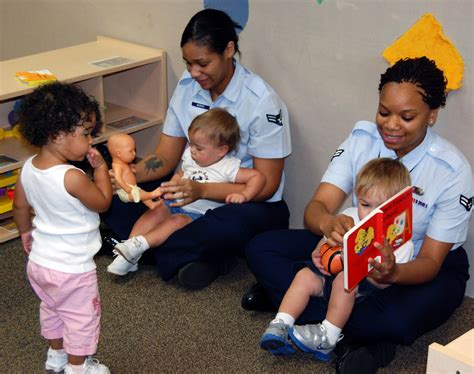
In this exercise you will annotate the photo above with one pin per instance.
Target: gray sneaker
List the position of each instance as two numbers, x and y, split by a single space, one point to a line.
313 339
131 249
275 339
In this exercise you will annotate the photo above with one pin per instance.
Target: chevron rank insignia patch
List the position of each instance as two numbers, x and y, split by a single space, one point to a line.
275 118
465 202
337 153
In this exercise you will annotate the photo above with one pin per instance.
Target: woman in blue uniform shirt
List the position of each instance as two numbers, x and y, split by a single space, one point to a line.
425 291
214 78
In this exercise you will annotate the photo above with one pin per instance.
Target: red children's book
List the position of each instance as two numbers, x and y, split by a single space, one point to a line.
392 219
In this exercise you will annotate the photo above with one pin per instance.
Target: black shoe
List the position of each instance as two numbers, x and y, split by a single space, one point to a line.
366 359
256 299
199 274
384 353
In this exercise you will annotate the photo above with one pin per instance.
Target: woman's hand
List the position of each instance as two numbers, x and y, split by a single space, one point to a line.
335 227
183 190
383 272
112 180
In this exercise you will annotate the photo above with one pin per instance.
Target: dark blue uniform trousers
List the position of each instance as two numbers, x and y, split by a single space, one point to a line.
399 314
221 232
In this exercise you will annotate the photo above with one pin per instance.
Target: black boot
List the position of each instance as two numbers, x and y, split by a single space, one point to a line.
199 274
363 359
256 299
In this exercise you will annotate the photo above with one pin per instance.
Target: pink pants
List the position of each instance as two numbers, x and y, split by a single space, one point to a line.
69 309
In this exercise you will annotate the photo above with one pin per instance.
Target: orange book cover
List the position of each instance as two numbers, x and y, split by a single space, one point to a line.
392 219
35 78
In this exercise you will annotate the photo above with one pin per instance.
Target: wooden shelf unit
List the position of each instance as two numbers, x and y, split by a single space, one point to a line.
137 87
455 357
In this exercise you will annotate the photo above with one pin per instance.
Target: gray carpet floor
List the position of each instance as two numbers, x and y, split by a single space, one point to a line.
149 326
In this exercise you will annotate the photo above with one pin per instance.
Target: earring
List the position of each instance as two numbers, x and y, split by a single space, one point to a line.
430 122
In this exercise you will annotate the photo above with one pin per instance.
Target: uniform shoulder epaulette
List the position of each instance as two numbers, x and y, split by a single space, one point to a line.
447 152
365 127
255 84
185 79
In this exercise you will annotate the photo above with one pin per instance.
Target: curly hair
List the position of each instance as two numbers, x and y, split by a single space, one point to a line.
423 73
55 108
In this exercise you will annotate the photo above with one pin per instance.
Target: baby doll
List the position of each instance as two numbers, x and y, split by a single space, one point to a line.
122 149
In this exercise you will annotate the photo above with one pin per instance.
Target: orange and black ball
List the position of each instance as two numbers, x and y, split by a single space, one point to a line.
331 258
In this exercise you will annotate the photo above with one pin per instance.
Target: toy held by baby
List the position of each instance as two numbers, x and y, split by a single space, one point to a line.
331 258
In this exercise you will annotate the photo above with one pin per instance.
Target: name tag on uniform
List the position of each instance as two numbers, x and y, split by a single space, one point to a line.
199 105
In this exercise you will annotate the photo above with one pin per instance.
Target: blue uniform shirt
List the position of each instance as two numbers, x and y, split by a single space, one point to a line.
261 114
436 166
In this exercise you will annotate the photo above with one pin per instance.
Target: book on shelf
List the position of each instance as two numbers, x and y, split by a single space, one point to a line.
392 220
112 62
35 78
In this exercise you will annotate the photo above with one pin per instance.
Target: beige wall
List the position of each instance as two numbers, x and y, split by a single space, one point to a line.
324 60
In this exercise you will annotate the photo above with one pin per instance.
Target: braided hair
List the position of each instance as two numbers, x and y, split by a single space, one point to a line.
423 73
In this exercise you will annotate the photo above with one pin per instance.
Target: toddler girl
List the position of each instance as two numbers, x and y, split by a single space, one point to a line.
62 236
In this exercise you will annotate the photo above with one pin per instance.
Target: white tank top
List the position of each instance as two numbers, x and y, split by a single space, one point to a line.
66 233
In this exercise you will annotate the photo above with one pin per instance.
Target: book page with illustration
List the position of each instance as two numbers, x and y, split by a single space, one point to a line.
392 220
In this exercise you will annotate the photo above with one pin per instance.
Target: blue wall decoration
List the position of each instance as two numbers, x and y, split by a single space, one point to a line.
238 10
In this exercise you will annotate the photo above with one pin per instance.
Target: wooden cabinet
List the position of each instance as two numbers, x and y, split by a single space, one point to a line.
128 80
455 357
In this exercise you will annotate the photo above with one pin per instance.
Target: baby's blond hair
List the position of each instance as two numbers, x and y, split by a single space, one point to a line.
385 175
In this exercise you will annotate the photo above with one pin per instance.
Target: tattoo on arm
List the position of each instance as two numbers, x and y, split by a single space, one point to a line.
153 164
